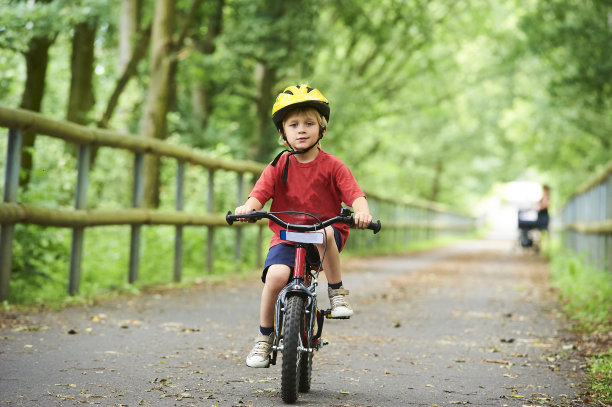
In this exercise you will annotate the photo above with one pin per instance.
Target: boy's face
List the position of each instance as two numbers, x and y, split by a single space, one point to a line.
301 129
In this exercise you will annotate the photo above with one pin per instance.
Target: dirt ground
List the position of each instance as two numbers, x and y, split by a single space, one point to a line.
476 324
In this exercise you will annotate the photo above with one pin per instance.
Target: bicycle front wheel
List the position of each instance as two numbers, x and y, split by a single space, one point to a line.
292 342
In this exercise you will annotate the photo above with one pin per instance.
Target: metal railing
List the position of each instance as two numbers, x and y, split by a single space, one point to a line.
404 222
587 221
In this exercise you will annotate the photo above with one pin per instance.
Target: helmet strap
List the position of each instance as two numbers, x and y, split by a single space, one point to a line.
293 152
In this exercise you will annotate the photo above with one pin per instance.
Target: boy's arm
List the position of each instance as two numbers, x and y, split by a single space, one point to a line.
362 213
251 204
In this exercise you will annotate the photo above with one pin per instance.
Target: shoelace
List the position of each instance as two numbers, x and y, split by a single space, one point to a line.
261 349
338 301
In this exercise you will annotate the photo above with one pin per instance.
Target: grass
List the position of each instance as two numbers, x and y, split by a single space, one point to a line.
600 376
587 296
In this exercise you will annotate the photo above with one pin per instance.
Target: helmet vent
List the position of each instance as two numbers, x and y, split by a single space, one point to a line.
288 92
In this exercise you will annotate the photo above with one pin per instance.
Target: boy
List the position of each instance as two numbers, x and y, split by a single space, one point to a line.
308 180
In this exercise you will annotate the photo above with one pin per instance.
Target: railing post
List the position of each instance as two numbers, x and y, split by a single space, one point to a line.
80 201
137 197
11 183
178 238
211 230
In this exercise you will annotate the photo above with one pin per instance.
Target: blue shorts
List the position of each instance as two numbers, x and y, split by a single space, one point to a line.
284 253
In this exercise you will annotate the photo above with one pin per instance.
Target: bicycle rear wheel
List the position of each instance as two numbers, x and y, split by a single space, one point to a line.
292 341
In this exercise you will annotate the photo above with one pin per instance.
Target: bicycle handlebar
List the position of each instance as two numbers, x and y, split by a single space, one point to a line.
257 215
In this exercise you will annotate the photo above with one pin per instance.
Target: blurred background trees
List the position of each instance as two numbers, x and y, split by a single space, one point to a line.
430 99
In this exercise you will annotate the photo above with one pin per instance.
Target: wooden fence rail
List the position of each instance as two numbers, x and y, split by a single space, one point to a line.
405 221
587 220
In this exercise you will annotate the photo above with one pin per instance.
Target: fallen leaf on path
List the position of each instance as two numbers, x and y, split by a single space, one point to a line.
191 330
501 362
25 328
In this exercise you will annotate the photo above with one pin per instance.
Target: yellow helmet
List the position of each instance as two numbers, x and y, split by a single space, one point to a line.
298 95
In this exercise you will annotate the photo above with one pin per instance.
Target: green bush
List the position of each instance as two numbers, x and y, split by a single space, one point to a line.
40 264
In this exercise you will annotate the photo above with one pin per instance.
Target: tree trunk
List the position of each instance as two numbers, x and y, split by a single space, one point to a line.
129 22
265 141
153 123
81 98
37 59
202 106
435 188
129 71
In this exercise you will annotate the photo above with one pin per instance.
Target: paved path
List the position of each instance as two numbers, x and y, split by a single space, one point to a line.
473 324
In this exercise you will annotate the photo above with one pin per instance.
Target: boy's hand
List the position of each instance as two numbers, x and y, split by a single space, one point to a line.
362 220
243 210
362 213
252 204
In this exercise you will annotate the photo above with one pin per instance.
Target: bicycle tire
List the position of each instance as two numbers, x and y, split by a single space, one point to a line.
292 339
305 372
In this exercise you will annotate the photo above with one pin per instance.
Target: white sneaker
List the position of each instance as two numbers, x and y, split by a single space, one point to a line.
260 354
340 307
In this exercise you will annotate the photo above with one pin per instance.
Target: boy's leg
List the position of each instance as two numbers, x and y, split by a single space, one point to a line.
276 278
331 266
331 262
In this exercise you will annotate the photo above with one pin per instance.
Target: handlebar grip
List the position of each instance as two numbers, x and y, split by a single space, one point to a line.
253 216
375 226
230 218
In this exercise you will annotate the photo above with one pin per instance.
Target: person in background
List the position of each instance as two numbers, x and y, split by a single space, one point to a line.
543 217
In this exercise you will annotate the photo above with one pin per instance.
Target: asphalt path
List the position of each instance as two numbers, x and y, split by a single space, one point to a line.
476 323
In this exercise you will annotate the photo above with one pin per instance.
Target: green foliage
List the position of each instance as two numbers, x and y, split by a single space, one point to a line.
435 100
40 258
569 126
20 21
600 376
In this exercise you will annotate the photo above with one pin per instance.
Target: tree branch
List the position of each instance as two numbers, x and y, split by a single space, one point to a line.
138 54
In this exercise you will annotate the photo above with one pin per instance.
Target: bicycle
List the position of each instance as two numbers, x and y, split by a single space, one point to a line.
297 313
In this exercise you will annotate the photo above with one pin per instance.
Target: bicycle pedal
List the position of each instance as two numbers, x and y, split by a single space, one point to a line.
328 315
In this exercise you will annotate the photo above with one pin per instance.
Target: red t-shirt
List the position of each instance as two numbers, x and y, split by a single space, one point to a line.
318 187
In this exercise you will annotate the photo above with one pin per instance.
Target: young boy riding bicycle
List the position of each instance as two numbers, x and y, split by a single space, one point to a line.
307 179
